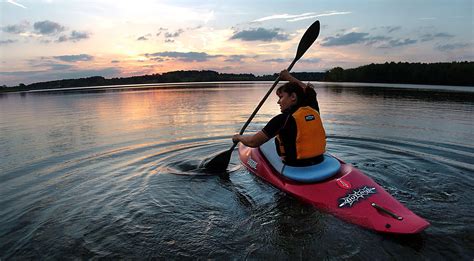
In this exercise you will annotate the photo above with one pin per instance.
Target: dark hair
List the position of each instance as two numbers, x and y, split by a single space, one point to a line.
290 88
310 98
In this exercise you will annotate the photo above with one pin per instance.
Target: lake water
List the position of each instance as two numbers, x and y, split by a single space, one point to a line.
113 173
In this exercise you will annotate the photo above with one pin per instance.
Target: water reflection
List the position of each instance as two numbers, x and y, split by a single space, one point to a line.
89 174
403 93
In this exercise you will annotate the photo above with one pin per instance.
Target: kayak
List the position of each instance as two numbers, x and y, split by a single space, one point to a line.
335 187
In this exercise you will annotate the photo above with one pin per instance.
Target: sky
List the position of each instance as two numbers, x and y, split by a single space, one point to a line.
44 40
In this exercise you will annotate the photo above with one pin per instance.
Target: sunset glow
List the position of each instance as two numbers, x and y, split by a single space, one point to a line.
44 40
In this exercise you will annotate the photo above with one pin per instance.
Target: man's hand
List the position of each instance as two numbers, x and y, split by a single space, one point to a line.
236 138
286 76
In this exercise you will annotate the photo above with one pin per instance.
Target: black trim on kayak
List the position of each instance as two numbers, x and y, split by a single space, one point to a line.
386 211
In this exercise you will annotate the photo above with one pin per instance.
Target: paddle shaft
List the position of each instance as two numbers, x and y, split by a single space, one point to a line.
261 104
219 162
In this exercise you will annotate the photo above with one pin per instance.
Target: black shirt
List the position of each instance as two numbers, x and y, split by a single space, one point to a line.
284 125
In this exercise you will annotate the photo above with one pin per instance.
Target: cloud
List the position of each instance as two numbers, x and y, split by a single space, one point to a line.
319 15
181 56
230 69
430 37
453 46
391 29
8 41
174 34
284 61
144 37
52 65
162 29
15 3
170 36
311 60
16 28
61 39
345 39
281 16
59 66
28 77
299 17
75 36
374 40
49 68
194 57
115 61
275 60
260 34
48 27
235 58
158 59
197 27
74 58
397 43
378 41
45 29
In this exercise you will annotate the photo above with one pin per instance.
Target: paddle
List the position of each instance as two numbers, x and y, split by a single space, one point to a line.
220 161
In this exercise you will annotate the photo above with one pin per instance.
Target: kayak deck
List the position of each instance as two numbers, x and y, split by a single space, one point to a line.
349 195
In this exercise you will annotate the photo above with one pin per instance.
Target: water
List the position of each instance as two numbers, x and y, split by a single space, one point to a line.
112 173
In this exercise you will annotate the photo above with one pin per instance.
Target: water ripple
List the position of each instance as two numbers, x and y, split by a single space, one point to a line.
117 179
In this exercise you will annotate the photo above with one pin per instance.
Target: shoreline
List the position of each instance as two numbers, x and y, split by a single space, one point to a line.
189 85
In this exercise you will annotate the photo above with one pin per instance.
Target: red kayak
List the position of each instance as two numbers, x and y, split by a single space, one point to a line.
343 190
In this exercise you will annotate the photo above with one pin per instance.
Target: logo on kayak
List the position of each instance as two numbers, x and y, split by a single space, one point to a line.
343 183
252 163
355 195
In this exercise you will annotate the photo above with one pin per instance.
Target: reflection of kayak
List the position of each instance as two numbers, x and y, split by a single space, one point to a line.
343 191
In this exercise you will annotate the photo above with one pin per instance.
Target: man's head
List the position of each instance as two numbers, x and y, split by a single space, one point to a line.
290 94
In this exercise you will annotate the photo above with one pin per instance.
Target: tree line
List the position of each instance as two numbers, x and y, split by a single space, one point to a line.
455 73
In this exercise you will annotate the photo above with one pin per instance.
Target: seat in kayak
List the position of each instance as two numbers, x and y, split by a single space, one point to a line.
308 174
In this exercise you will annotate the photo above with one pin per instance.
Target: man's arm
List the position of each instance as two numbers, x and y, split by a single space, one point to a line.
252 141
286 76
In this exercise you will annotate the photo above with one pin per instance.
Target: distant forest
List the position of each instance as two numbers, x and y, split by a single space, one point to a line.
455 73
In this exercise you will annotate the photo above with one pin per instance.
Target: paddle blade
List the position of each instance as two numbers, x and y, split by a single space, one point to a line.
307 40
217 163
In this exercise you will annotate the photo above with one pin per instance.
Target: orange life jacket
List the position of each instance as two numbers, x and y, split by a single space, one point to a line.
310 134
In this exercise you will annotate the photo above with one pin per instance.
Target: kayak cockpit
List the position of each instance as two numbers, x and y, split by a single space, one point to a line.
307 174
